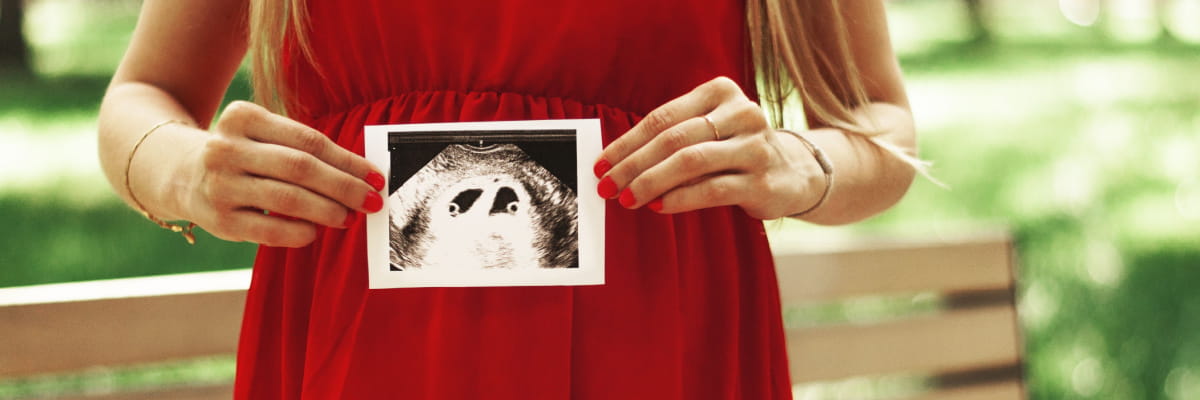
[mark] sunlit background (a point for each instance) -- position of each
(1073, 124)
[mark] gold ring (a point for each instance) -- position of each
(716, 133)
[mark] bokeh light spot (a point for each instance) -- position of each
(1132, 20)
(1074, 184)
(1080, 12)
(1182, 383)
(1182, 20)
(1187, 199)
(1104, 265)
(1086, 378)
(1038, 305)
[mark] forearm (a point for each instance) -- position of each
(867, 179)
(130, 109)
(180, 60)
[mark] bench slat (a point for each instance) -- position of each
(982, 264)
(1003, 390)
(74, 335)
(952, 341)
(146, 286)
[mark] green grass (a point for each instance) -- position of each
(193, 372)
(1085, 148)
(47, 99)
(50, 240)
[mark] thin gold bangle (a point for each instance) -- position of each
(186, 231)
(826, 167)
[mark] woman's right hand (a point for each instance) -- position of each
(255, 160)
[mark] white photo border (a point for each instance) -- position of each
(590, 213)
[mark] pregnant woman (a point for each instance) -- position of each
(690, 307)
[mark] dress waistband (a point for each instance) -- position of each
(464, 96)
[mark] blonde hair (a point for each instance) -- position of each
(270, 22)
(826, 80)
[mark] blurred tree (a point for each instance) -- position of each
(14, 50)
(976, 20)
(1162, 11)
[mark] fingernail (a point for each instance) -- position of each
(349, 219)
(373, 202)
(627, 199)
(607, 188)
(601, 167)
(655, 205)
(376, 181)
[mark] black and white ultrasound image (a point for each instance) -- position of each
(483, 200)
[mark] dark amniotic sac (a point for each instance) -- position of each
(483, 207)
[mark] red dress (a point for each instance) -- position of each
(690, 309)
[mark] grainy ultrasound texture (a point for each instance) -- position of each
(475, 207)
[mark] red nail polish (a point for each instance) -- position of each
(607, 188)
(601, 167)
(627, 199)
(349, 219)
(655, 205)
(373, 202)
(376, 180)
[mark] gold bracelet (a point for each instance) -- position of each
(185, 231)
(826, 167)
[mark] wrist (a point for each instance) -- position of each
(162, 172)
(817, 172)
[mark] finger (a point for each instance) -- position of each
(697, 102)
(731, 119)
(737, 117)
(719, 190)
(259, 124)
(676, 138)
(297, 136)
(686, 166)
(291, 200)
(305, 170)
(270, 230)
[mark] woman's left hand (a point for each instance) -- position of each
(710, 147)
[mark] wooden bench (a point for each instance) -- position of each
(971, 350)
(968, 346)
(62, 328)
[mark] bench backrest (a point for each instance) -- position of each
(59, 328)
(969, 347)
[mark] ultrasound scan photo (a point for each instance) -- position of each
(483, 202)
(486, 204)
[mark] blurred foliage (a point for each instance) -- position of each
(1081, 140)
(61, 221)
(1086, 145)
(46, 239)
